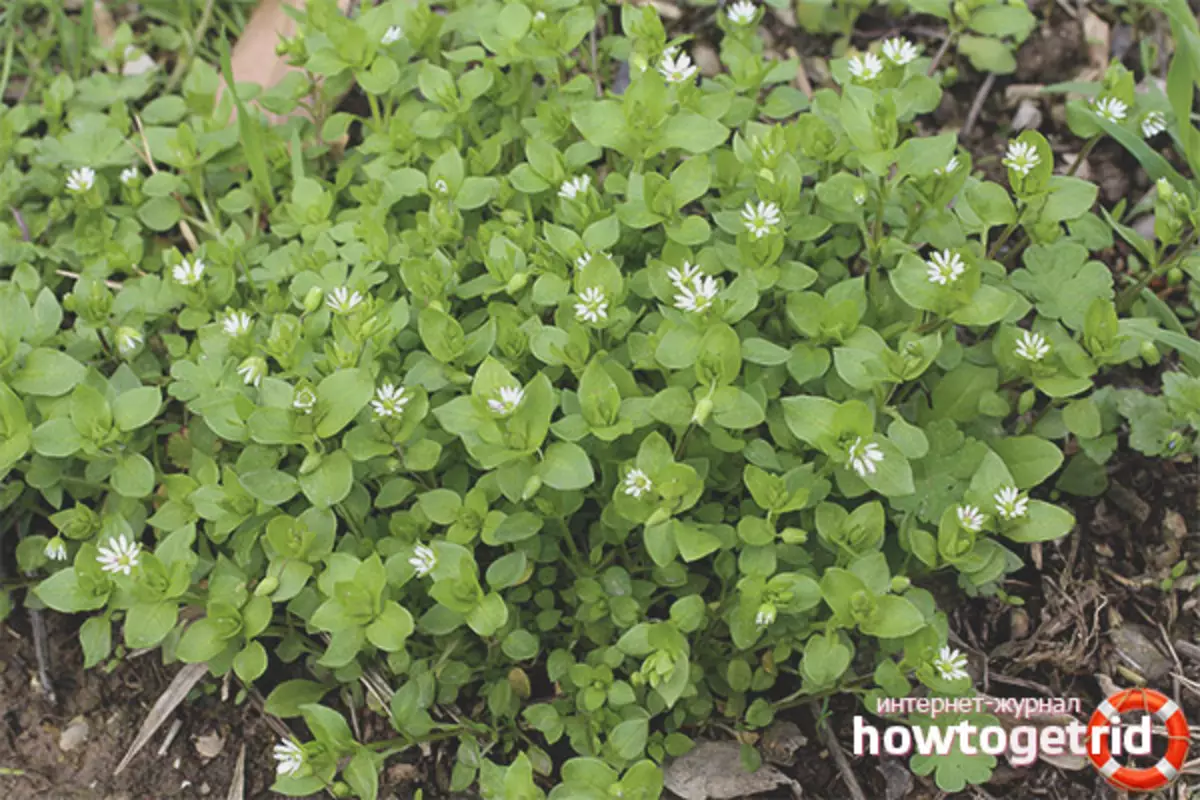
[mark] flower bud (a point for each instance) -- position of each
(1149, 353)
(312, 300)
(704, 407)
(900, 584)
(1025, 402)
(517, 282)
(531, 487)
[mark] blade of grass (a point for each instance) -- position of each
(251, 133)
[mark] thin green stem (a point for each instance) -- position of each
(1083, 154)
(1130, 294)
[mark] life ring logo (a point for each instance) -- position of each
(1104, 722)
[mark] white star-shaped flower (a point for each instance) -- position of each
(423, 560)
(637, 483)
(1021, 157)
(119, 554)
(390, 400)
(951, 664)
(1032, 346)
(129, 175)
(762, 219)
(860, 197)
(865, 67)
(592, 305)
(391, 35)
(684, 275)
(945, 267)
(510, 397)
(698, 296)
(82, 179)
(573, 187)
(676, 68)
(188, 273)
(900, 51)
(1154, 123)
(56, 549)
(237, 324)
(864, 457)
(767, 613)
(289, 758)
(970, 517)
(342, 301)
(951, 165)
(741, 12)
(128, 340)
(304, 400)
(252, 370)
(1111, 109)
(1010, 504)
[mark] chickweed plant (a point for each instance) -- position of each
(559, 424)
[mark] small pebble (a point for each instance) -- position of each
(75, 735)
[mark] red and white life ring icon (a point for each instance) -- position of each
(1165, 711)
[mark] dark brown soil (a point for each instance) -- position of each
(113, 704)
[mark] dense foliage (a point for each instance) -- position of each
(569, 422)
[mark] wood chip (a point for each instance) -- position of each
(237, 786)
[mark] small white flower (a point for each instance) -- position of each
(860, 197)
(573, 187)
(741, 12)
(289, 758)
(188, 273)
(129, 175)
(423, 560)
(592, 305)
(1021, 157)
(342, 301)
(699, 295)
(82, 179)
(767, 614)
(945, 267)
(56, 549)
(1154, 123)
(304, 401)
(951, 165)
(119, 555)
(970, 517)
(1111, 109)
(637, 483)
(391, 35)
(762, 219)
(676, 68)
(863, 457)
(539, 16)
(440, 186)
(900, 51)
(510, 397)
(1032, 346)
(951, 664)
(1010, 504)
(237, 324)
(390, 400)
(684, 275)
(252, 370)
(128, 340)
(865, 67)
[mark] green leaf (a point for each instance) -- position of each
(49, 373)
(1030, 459)
(147, 624)
(692, 132)
(250, 662)
(566, 467)
(391, 628)
(330, 482)
(133, 476)
(339, 399)
(894, 617)
(137, 407)
(1043, 522)
(693, 542)
(63, 592)
(269, 486)
(286, 699)
(825, 659)
(201, 641)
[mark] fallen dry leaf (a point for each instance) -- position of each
(713, 771)
(209, 745)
